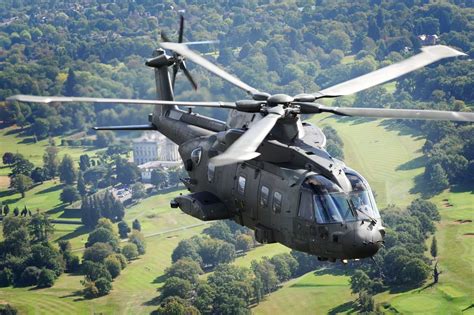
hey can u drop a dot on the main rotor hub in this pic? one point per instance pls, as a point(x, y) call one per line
point(277, 99)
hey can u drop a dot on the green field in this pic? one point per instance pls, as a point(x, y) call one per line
point(12, 140)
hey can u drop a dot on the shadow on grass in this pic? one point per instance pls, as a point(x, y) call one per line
point(153, 302)
point(159, 279)
point(56, 209)
point(333, 271)
point(348, 307)
point(70, 214)
point(28, 140)
point(413, 164)
point(77, 294)
point(7, 193)
point(77, 232)
point(51, 189)
point(422, 187)
point(401, 128)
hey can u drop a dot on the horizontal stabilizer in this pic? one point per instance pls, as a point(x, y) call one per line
point(130, 127)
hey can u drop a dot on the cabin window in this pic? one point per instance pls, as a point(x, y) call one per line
point(241, 187)
point(264, 193)
point(276, 202)
point(196, 155)
point(306, 206)
point(211, 168)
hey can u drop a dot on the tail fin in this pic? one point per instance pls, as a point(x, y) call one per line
point(164, 90)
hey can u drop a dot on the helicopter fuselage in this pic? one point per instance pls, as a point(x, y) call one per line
point(276, 196)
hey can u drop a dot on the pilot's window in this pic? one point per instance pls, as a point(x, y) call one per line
point(264, 192)
point(211, 168)
point(241, 188)
point(306, 206)
point(276, 202)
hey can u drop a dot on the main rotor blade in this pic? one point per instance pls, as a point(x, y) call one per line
point(428, 55)
point(201, 42)
point(183, 50)
point(244, 148)
point(67, 99)
point(425, 114)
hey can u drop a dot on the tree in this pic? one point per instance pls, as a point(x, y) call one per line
point(93, 271)
point(138, 239)
point(176, 287)
point(90, 290)
point(243, 242)
point(221, 231)
point(21, 166)
point(437, 178)
point(67, 170)
point(127, 173)
point(136, 225)
point(81, 185)
point(130, 251)
point(366, 302)
point(186, 269)
point(265, 271)
point(123, 229)
point(103, 286)
point(84, 162)
point(51, 161)
point(103, 235)
point(159, 178)
point(434, 247)
point(138, 191)
point(40, 227)
point(38, 175)
point(113, 266)
point(360, 281)
point(186, 248)
point(46, 278)
point(29, 276)
point(8, 158)
point(104, 138)
point(6, 277)
point(69, 194)
point(44, 255)
point(21, 183)
point(98, 252)
point(6, 210)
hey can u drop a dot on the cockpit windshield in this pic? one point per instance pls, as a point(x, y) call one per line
point(332, 205)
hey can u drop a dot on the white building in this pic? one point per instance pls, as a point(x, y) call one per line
point(147, 168)
point(153, 146)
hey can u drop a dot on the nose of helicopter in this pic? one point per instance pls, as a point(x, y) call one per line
point(367, 241)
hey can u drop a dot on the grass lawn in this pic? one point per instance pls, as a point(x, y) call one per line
point(388, 158)
point(12, 140)
point(309, 294)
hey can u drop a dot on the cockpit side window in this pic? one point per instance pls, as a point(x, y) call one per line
point(305, 210)
point(276, 202)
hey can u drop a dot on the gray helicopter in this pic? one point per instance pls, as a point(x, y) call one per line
point(265, 168)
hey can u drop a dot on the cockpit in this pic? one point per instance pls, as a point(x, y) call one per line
point(325, 202)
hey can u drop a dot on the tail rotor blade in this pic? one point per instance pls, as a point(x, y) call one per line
point(188, 75)
point(181, 29)
point(175, 72)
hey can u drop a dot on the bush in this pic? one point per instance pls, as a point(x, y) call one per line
point(137, 238)
point(122, 260)
point(130, 251)
point(90, 291)
point(97, 252)
point(7, 309)
point(6, 277)
point(113, 266)
point(103, 285)
point(29, 276)
point(93, 271)
point(46, 278)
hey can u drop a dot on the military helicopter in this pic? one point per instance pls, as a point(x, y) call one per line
point(265, 168)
